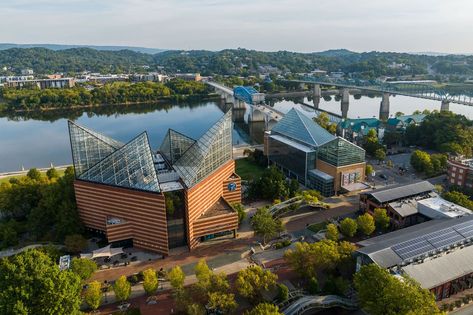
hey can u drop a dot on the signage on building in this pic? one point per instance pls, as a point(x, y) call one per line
point(232, 186)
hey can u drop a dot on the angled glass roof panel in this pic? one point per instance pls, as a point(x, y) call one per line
point(206, 155)
point(89, 147)
point(341, 152)
point(299, 127)
point(175, 144)
point(131, 166)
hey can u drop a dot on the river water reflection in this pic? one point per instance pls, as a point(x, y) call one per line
point(38, 141)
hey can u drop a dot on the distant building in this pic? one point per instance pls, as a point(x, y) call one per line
point(460, 173)
point(54, 76)
point(102, 78)
point(336, 75)
point(401, 123)
point(355, 129)
point(437, 254)
point(178, 195)
point(42, 83)
point(400, 202)
point(16, 78)
point(27, 72)
point(188, 76)
point(152, 76)
point(317, 159)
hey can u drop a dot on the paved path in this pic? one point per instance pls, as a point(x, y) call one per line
point(339, 206)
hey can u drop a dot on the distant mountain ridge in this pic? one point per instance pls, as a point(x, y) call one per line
point(56, 47)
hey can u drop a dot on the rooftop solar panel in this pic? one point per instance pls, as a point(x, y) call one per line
point(412, 248)
point(465, 229)
point(443, 238)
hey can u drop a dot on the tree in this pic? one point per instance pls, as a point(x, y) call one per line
point(264, 309)
point(308, 259)
point(252, 281)
point(83, 267)
point(332, 232)
point(176, 277)
point(265, 225)
point(371, 142)
point(283, 293)
point(34, 174)
point(75, 243)
point(93, 295)
point(31, 283)
point(398, 114)
point(52, 173)
point(381, 218)
point(366, 224)
point(122, 289)
point(272, 185)
point(369, 169)
point(380, 293)
point(348, 227)
point(458, 198)
point(150, 281)
point(223, 302)
point(238, 207)
point(380, 154)
point(323, 120)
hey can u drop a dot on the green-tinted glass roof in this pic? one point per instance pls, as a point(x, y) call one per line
point(89, 147)
point(131, 166)
point(208, 153)
point(299, 127)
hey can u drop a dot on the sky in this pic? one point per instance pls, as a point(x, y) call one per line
point(269, 25)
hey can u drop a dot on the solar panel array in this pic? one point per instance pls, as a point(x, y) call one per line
point(438, 240)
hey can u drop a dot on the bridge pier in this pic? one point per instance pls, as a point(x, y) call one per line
point(384, 107)
point(317, 91)
point(445, 106)
point(344, 104)
point(238, 104)
point(316, 102)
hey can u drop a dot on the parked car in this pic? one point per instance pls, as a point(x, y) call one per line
point(383, 176)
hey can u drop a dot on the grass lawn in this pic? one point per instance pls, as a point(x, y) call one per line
point(6, 179)
point(247, 169)
point(317, 226)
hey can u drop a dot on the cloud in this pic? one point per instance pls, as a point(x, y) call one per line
point(302, 25)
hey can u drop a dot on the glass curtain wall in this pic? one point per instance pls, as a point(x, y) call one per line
point(341, 152)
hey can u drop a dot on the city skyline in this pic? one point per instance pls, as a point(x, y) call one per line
point(298, 25)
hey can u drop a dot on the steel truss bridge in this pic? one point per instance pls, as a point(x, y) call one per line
point(458, 94)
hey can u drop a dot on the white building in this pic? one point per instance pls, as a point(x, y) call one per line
point(439, 208)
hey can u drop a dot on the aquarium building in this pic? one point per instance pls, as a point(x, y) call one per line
point(177, 195)
point(305, 151)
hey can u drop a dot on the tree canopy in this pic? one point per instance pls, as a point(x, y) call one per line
point(265, 225)
point(252, 281)
point(122, 289)
point(32, 282)
point(348, 227)
point(308, 259)
point(383, 294)
point(366, 224)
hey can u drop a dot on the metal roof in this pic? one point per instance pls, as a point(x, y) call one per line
point(297, 126)
point(407, 244)
point(391, 194)
point(440, 270)
point(404, 208)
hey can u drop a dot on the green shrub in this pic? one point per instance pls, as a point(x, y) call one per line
point(313, 286)
point(283, 293)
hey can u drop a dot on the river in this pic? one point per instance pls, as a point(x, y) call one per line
point(38, 141)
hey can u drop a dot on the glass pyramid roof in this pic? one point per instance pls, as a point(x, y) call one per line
point(299, 127)
point(89, 147)
point(175, 144)
point(208, 153)
point(130, 166)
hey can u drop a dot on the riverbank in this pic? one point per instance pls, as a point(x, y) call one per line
point(175, 99)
